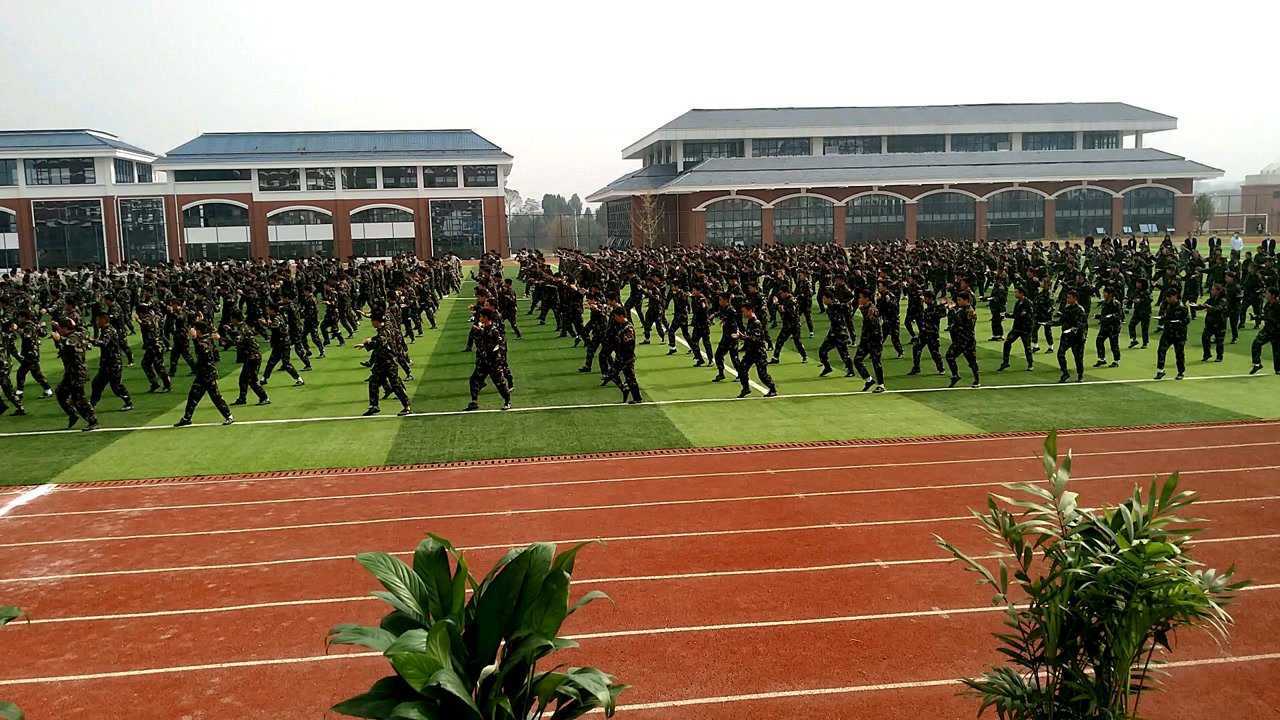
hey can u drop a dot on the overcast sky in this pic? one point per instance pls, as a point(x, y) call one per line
point(565, 86)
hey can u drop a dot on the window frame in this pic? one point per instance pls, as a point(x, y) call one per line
point(477, 176)
point(400, 178)
point(358, 172)
point(86, 178)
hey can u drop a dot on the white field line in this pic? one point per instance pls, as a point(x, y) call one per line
point(621, 579)
point(604, 635)
point(885, 687)
point(499, 513)
point(680, 476)
point(708, 452)
point(26, 497)
point(586, 406)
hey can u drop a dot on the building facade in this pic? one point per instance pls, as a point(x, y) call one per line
point(1253, 208)
point(249, 195)
point(844, 175)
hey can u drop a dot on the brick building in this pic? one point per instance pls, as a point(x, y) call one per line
point(70, 198)
point(1021, 171)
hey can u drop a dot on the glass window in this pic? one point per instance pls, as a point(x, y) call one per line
point(695, 151)
point(277, 180)
point(1049, 141)
point(917, 143)
point(320, 178)
point(216, 231)
point(400, 176)
point(142, 230)
point(480, 175)
point(979, 142)
point(440, 176)
point(875, 218)
point(8, 172)
point(457, 226)
point(1105, 140)
point(1015, 215)
point(781, 147)
point(69, 233)
point(734, 222)
point(947, 215)
point(8, 240)
point(299, 217)
point(803, 219)
point(359, 178)
point(852, 145)
point(618, 222)
point(61, 171)
point(145, 173)
point(297, 234)
point(1081, 211)
point(382, 232)
point(1150, 206)
point(124, 171)
point(8, 222)
point(210, 175)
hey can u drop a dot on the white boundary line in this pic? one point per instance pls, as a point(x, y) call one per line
point(623, 457)
point(26, 497)
point(680, 476)
point(510, 513)
point(749, 572)
point(586, 406)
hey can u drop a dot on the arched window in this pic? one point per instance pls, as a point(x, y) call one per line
point(1081, 212)
point(1148, 209)
point(804, 219)
point(876, 218)
point(216, 231)
point(300, 233)
point(1015, 215)
point(733, 222)
point(382, 232)
point(949, 215)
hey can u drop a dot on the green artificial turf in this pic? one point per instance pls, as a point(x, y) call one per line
point(545, 373)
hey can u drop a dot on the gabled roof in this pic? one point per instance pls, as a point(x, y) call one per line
point(250, 147)
point(904, 120)
point(63, 140)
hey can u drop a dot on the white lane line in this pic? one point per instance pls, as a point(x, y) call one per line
point(711, 360)
point(884, 687)
point(610, 458)
point(587, 406)
point(621, 579)
point(680, 476)
point(26, 497)
point(493, 513)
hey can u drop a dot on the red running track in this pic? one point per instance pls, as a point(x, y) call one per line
point(757, 583)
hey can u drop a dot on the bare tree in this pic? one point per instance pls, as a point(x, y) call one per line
point(1203, 210)
point(649, 221)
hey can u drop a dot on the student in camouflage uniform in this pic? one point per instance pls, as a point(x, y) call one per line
point(205, 351)
point(1075, 331)
point(249, 355)
point(871, 343)
point(72, 346)
point(788, 312)
point(961, 326)
point(1110, 318)
point(837, 335)
point(7, 330)
point(151, 325)
point(1141, 300)
point(384, 372)
point(1024, 329)
point(490, 357)
point(1214, 334)
point(1175, 319)
point(1270, 333)
point(110, 370)
point(278, 328)
point(728, 345)
point(700, 320)
point(928, 322)
point(755, 352)
point(30, 331)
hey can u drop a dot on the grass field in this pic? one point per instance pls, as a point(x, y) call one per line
point(560, 411)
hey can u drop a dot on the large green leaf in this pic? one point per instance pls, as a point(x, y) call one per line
point(449, 681)
point(497, 602)
point(416, 668)
point(379, 701)
point(431, 564)
point(401, 582)
point(372, 638)
point(548, 610)
point(9, 711)
point(9, 613)
point(416, 710)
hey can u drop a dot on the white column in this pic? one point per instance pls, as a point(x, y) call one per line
point(815, 146)
point(1079, 140)
point(679, 156)
point(1137, 139)
point(1015, 141)
point(884, 143)
point(746, 147)
point(946, 142)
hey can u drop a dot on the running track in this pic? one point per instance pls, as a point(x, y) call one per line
point(748, 583)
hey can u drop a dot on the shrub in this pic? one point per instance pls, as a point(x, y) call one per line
point(475, 658)
point(1089, 596)
point(9, 711)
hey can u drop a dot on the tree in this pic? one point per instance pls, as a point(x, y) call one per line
point(575, 205)
point(649, 221)
point(1089, 596)
point(475, 657)
point(1204, 210)
point(513, 200)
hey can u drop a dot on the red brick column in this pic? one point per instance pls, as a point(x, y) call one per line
point(111, 230)
point(980, 218)
point(173, 227)
point(495, 225)
point(766, 226)
point(1183, 214)
point(838, 216)
point(909, 225)
point(1050, 218)
point(258, 245)
point(1117, 215)
point(696, 235)
point(342, 246)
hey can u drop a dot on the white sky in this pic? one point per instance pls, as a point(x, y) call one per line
point(564, 86)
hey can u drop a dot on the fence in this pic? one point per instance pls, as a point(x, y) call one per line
point(547, 232)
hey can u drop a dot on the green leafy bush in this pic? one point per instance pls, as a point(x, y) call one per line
point(1090, 596)
point(9, 711)
point(475, 658)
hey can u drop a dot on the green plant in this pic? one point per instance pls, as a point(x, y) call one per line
point(1203, 210)
point(9, 711)
point(475, 658)
point(1089, 596)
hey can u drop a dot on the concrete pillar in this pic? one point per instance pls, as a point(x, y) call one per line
point(839, 213)
point(980, 218)
point(909, 226)
point(342, 245)
point(173, 227)
point(1117, 216)
point(766, 226)
point(1137, 139)
point(26, 236)
point(1050, 218)
point(111, 230)
point(422, 228)
point(258, 245)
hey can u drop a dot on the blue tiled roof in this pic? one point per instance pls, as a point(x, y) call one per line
point(276, 146)
point(65, 140)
